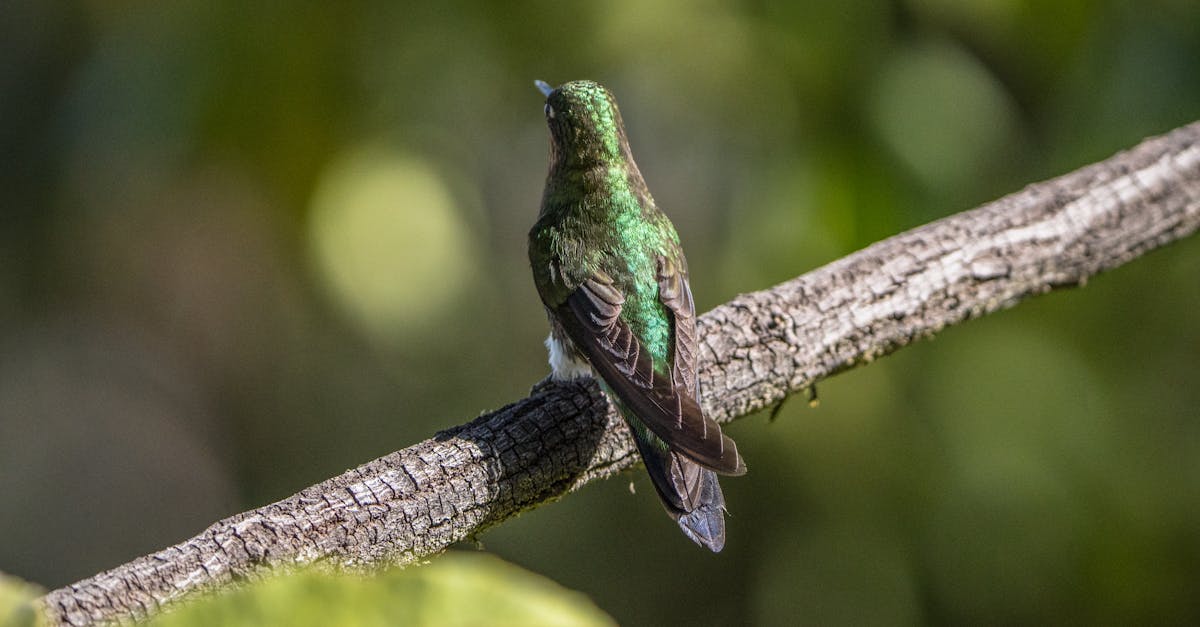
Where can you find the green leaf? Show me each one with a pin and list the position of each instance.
(16, 602)
(458, 588)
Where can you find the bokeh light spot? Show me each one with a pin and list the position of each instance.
(943, 113)
(389, 241)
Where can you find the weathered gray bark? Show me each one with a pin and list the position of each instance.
(755, 350)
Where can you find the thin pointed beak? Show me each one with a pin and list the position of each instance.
(543, 87)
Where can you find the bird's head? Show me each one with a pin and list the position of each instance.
(585, 123)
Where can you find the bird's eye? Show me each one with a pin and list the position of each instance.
(549, 111)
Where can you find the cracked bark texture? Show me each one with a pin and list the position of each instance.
(754, 351)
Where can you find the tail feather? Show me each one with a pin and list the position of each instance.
(689, 492)
(705, 525)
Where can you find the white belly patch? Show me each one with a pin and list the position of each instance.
(563, 365)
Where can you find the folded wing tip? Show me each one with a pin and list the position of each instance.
(727, 462)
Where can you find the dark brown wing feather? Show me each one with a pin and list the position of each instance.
(675, 292)
(667, 405)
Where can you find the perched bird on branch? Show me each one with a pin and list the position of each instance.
(611, 272)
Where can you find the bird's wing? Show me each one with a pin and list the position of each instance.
(591, 316)
(675, 292)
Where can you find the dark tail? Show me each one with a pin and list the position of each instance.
(690, 493)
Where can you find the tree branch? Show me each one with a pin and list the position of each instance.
(755, 350)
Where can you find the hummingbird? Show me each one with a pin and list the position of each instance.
(611, 273)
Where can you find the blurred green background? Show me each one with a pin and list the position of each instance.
(245, 246)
